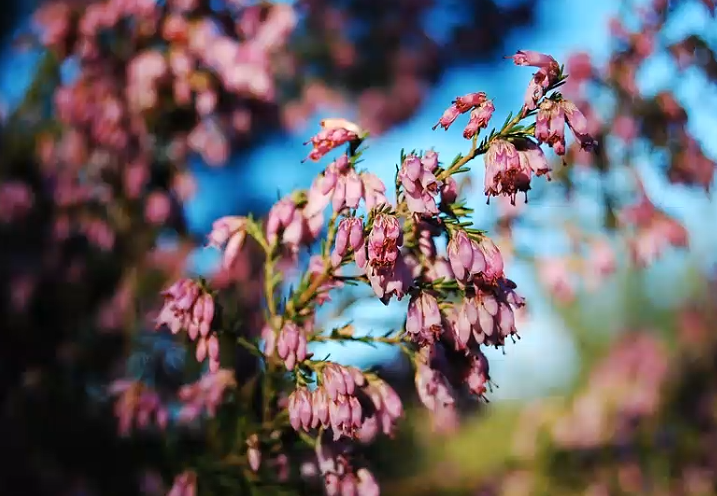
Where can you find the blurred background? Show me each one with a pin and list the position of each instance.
(111, 181)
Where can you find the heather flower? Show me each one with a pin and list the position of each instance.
(386, 409)
(537, 86)
(334, 133)
(208, 346)
(339, 185)
(419, 185)
(338, 380)
(293, 224)
(137, 404)
(185, 484)
(300, 409)
(532, 158)
(349, 238)
(465, 257)
(345, 416)
(374, 191)
(320, 408)
(179, 301)
(488, 317)
(479, 118)
(382, 260)
(205, 394)
(550, 125)
(291, 345)
(535, 59)
(433, 389)
(230, 233)
(477, 376)
(424, 321)
(505, 173)
(493, 259)
(463, 104)
(449, 117)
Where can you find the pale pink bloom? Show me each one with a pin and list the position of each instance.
(228, 233)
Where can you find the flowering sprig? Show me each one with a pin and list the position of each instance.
(459, 301)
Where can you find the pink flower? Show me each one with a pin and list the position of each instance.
(205, 394)
(292, 224)
(465, 257)
(387, 409)
(291, 345)
(349, 238)
(433, 388)
(228, 233)
(300, 409)
(424, 321)
(505, 173)
(550, 125)
(339, 185)
(419, 185)
(462, 104)
(479, 118)
(334, 133)
(137, 403)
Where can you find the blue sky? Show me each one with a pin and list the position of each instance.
(562, 27)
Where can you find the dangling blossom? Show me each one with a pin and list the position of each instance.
(465, 257)
(550, 125)
(291, 345)
(228, 233)
(339, 476)
(479, 118)
(385, 267)
(386, 409)
(205, 395)
(419, 185)
(339, 185)
(334, 133)
(424, 322)
(481, 110)
(137, 404)
(292, 224)
(349, 238)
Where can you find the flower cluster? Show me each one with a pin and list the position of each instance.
(187, 306)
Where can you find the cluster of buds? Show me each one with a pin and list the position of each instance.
(333, 404)
(187, 306)
(419, 183)
(480, 107)
(382, 260)
(205, 395)
(510, 165)
(340, 478)
(289, 344)
(341, 186)
(291, 222)
(553, 114)
(138, 403)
